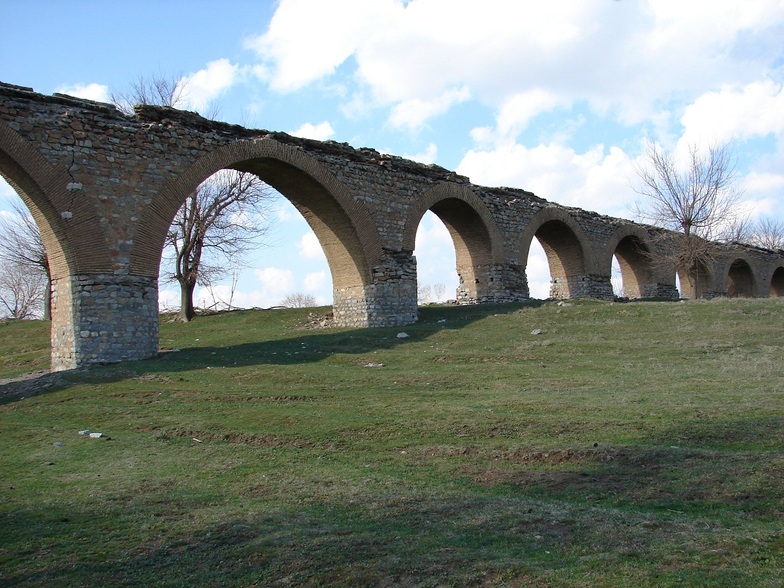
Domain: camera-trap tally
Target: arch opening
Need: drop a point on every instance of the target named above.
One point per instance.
(740, 280)
(276, 259)
(472, 248)
(565, 258)
(694, 284)
(634, 271)
(777, 283)
(25, 273)
(332, 229)
(329, 221)
(537, 271)
(18, 184)
(437, 277)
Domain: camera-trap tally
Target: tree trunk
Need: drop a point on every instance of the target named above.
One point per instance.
(187, 312)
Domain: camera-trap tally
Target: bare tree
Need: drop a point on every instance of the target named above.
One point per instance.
(696, 200)
(769, 233)
(21, 292)
(438, 291)
(738, 230)
(299, 300)
(424, 294)
(223, 217)
(157, 90)
(21, 246)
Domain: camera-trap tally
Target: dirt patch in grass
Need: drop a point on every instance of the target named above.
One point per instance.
(248, 439)
(199, 396)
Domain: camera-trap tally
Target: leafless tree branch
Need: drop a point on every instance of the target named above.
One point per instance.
(697, 200)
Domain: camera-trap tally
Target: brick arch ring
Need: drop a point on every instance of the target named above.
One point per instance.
(739, 272)
(621, 233)
(774, 279)
(343, 225)
(472, 217)
(53, 200)
(634, 247)
(553, 213)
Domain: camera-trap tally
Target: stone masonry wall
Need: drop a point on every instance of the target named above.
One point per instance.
(103, 319)
(104, 187)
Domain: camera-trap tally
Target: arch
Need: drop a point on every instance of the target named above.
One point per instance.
(740, 280)
(562, 241)
(477, 240)
(695, 284)
(343, 226)
(777, 282)
(631, 246)
(74, 245)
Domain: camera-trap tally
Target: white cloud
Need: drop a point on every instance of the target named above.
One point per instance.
(435, 254)
(309, 247)
(757, 182)
(202, 87)
(735, 111)
(315, 281)
(8, 216)
(319, 132)
(516, 114)
(627, 59)
(432, 234)
(284, 211)
(6, 191)
(412, 114)
(596, 180)
(275, 280)
(97, 92)
(762, 194)
(537, 271)
(309, 39)
(428, 156)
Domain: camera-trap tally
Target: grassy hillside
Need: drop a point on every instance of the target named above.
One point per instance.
(636, 444)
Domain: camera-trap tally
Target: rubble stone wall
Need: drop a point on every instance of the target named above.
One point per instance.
(104, 187)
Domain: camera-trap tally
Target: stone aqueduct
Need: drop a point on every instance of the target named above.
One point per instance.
(103, 188)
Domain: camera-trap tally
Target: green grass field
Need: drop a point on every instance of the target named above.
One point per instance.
(637, 444)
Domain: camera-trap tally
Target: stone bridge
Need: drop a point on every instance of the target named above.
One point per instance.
(104, 187)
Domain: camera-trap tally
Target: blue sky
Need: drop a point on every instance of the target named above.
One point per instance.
(557, 98)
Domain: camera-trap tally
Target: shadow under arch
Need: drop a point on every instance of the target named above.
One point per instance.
(477, 240)
(632, 247)
(562, 240)
(74, 245)
(777, 281)
(740, 279)
(342, 225)
(695, 284)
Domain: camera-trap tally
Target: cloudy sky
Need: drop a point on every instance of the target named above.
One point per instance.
(555, 97)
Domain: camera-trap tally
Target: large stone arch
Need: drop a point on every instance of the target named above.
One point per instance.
(632, 247)
(342, 225)
(740, 279)
(69, 227)
(564, 244)
(776, 280)
(77, 253)
(477, 240)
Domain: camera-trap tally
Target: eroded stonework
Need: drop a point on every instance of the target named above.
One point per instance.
(104, 187)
